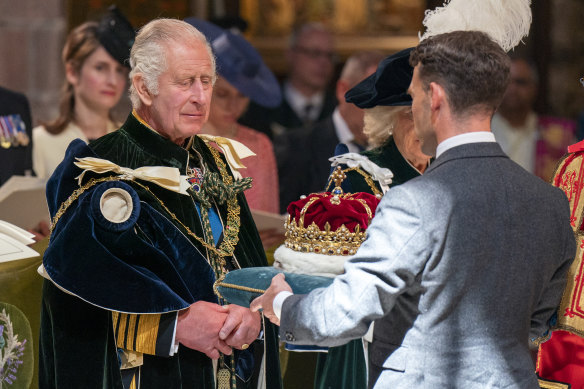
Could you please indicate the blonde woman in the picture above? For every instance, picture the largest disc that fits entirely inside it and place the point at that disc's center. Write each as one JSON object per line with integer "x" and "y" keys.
{"x": 396, "y": 155}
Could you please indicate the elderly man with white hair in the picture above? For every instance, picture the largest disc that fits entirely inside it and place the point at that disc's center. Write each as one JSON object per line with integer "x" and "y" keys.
{"x": 144, "y": 221}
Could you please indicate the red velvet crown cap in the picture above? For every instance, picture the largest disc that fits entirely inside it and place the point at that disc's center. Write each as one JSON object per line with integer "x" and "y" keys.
{"x": 350, "y": 211}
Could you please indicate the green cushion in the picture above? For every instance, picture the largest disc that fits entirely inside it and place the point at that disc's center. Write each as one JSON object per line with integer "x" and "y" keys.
{"x": 243, "y": 285}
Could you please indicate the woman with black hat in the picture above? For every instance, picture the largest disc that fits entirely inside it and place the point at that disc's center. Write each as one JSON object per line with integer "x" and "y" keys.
{"x": 396, "y": 156}
{"x": 96, "y": 72}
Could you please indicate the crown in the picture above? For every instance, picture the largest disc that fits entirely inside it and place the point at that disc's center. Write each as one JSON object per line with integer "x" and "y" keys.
{"x": 330, "y": 223}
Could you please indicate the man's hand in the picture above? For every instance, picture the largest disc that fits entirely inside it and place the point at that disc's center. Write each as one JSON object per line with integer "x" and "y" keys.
{"x": 266, "y": 301}
{"x": 198, "y": 328}
{"x": 241, "y": 327}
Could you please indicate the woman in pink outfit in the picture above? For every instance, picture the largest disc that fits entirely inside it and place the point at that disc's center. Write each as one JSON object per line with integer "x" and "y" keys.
{"x": 228, "y": 104}
{"x": 243, "y": 76}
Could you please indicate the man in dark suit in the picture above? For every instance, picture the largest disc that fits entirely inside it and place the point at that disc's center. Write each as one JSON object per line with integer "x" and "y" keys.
{"x": 303, "y": 154}
{"x": 464, "y": 266}
{"x": 15, "y": 135}
{"x": 306, "y": 94}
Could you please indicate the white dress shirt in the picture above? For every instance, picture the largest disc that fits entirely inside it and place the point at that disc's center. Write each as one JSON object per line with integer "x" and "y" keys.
{"x": 343, "y": 132}
{"x": 468, "y": 137}
{"x": 298, "y": 102}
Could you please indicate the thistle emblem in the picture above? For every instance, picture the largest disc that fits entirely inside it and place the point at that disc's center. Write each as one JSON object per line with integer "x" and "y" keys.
{"x": 11, "y": 351}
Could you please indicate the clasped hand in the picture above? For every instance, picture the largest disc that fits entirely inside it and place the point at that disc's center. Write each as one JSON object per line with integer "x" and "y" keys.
{"x": 211, "y": 328}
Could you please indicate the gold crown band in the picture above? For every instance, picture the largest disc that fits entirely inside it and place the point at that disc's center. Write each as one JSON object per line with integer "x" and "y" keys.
{"x": 313, "y": 240}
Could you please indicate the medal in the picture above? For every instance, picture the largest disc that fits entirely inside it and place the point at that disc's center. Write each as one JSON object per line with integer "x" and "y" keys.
{"x": 4, "y": 136}
{"x": 20, "y": 129}
{"x": 195, "y": 178}
{"x": 11, "y": 131}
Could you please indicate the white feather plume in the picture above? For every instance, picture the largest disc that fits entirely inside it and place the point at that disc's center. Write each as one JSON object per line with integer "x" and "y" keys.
{"x": 507, "y": 22}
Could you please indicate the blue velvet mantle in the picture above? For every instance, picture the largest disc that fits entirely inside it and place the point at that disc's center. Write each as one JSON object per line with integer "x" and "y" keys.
{"x": 147, "y": 264}
{"x": 142, "y": 265}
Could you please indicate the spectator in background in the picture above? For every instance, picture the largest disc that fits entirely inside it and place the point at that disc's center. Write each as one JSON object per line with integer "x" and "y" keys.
{"x": 303, "y": 154}
{"x": 15, "y": 135}
{"x": 535, "y": 142}
{"x": 243, "y": 77}
{"x": 306, "y": 97}
{"x": 96, "y": 70}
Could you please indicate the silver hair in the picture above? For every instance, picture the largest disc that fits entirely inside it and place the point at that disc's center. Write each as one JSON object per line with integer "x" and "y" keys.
{"x": 380, "y": 121}
{"x": 357, "y": 65}
{"x": 148, "y": 55}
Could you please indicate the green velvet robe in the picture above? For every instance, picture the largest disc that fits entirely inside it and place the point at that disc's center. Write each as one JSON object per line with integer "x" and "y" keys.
{"x": 78, "y": 348}
{"x": 344, "y": 367}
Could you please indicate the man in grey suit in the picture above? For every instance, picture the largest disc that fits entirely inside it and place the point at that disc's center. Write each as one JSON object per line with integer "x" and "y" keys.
{"x": 464, "y": 266}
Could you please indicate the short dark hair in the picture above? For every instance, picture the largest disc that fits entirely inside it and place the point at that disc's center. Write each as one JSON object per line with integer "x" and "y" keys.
{"x": 470, "y": 66}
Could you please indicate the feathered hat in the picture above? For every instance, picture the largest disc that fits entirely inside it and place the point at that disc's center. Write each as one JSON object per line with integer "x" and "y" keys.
{"x": 507, "y": 22}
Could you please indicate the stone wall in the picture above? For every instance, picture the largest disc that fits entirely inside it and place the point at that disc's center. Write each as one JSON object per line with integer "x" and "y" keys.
{"x": 566, "y": 97}
{"x": 31, "y": 39}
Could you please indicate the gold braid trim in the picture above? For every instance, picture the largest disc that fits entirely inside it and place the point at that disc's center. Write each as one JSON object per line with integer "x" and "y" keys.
{"x": 543, "y": 384}
{"x": 239, "y": 287}
{"x": 230, "y": 239}
{"x": 75, "y": 195}
{"x": 220, "y": 282}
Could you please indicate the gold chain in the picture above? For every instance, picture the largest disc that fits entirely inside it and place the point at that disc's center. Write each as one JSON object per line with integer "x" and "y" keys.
{"x": 76, "y": 193}
{"x": 230, "y": 237}
{"x": 231, "y": 232}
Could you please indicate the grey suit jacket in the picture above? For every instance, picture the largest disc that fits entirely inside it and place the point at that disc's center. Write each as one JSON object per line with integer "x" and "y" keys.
{"x": 461, "y": 268}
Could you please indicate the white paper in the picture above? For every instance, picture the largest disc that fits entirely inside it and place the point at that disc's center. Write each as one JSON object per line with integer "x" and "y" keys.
{"x": 16, "y": 232}
{"x": 11, "y": 249}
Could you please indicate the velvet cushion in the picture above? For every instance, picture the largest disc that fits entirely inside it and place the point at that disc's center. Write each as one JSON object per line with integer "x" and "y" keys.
{"x": 260, "y": 278}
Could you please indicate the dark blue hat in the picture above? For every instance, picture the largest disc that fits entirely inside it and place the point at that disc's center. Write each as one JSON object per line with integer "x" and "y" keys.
{"x": 387, "y": 86}
{"x": 116, "y": 35}
{"x": 240, "y": 64}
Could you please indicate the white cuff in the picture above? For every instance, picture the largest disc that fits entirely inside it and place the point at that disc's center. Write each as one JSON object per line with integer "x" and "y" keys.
{"x": 174, "y": 343}
{"x": 278, "y": 301}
